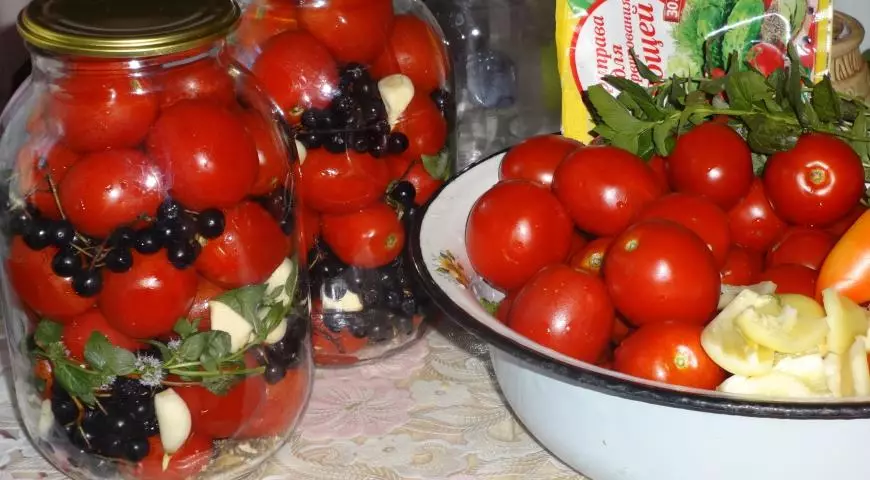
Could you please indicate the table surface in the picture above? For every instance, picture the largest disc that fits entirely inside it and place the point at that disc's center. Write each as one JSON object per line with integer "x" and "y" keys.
{"x": 432, "y": 411}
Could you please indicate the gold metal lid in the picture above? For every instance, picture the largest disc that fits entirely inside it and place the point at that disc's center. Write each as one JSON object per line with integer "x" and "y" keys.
{"x": 125, "y": 28}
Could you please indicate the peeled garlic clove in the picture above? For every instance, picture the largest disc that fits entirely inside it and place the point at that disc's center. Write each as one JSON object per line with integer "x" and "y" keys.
{"x": 846, "y": 320}
{"x": 301, "y": 151}
{"x": 396, "y": 91}
{"x": 278, "y": 280}
{"x": 225, "y": 319}
{"x": 173, "y": 420}
{"x": 277, "y": 334}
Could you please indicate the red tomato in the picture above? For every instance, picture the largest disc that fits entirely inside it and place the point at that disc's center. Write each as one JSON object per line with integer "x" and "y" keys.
{"x": 39, "y": 159}
{"x": 503, "y": 311}
{"x": 297, "y": 71}
{"x": 604, "y": 188}
{"x": 43, "y": 371}
{"x": 263, "y": 20}
{"x": 106, "y": 190}
{"x": 659, "y": 166}
{"x": 668, "y": 352}
{"x": 591, "y": 257}
{"x": 250, "y": 249}
{"x": 806, "y": 46}
{"x": 332, "y": 348}
{"x": 281, "y": 407}
{"x": 841, "y": 226}
{"x": 274, "y": 168}
{"x": 36, "y": 285}
{"x": 801, "y": 246}
{"x": 698, "y": 214}
{"x": 187, "y": 462}
{"x": 424, "y": 126}
{"x": 167, "y": 291}
{"x": 515, "y": 229}
{"x": 790, "y": 278}
{"x": 566, "y": 310}
{"x": 417, "y": 51}
{"x": 712, "y": 160}
{"x": 742, "y": 266}
{"x": 79, "y": 330}
{"x": 208, "y": 157}
{"x": 535, "y": 159}
{"x": 36, "y": 121}
{"x": 578, "y": 243}
{"x": 659, "y": 271}
{"x": 352, "y": 30}
{"x": 200, "y": 310}
{"x": 369, "y": 238}
{"x": 754, "y": 224}
{"x": 815, "y": 183}
{"x": 342, "y": 183}
{"x": 92, "y": 111}
{"x": 403, "y": 167}
{"x": 621, "y": 330}
{"x": 223, "y": 416}
{"x": 766, "y": 58}
{"x": 309, "y": 221}
{"x": 203, "y": 79}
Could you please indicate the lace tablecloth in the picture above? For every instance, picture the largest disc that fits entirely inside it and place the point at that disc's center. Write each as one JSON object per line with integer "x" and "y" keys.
{"x": 432, "y": 411}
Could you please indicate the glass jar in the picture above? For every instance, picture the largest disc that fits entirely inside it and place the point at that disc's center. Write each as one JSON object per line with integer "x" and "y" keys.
{"x": 367, "y": 87}
{"x": 155, "y": 311}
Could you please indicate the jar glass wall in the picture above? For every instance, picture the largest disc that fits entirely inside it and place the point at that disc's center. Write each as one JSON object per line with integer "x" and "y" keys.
{"x": 156, "y": 311}
{"x": 367, "y": 87}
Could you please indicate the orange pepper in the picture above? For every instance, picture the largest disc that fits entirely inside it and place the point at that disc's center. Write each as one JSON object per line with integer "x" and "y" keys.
{"x": 847, "y": 267}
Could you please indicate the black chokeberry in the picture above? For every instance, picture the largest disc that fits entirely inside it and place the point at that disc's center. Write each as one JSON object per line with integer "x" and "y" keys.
{"x": 403, "y": 193}
{"x": 211, "y": 223}
{"x": 181, "y": 254}
{"x": 137, "y": 449}
{"x": 325, "y": 120}
{"x": 122, "y": 237}
{"x": 309, "y": 118}
{"x": 382, "y": 127}
{"x": 353, "y": 72}
{"x": 119, "y": 424}
{"x": 185, "y": 227}
{"x": 110, "y": 445}
{"x": 378, "y": 146}
{"x": 169, "y": 210}
{"x": 87, "y": 283}
{"x": 287, "y": 225}
{"x": 64, "y": 410}
{"x": 20, "y": 222}
{"x": 141, "y": 411}
{"x": 130, "y": 388}
{"x": 371, "y": 112}
{"x": 358, "y": 330}
{"x": 343, "y": 105}
{"x": 393, "y": 300}
{"x": 39, "y": 235}
{"x": 404, "y": 324}
{"x": 274, "y": 373}
{"x": 336, "y": 143}
{"x": 397, "y": 143}
{"x": 82, "y": 438}
{"x": 360, "y": 143}
{"x": 310, "y": 140}
{"x": 442, "y": 99}
{"x": 365, "y": 87}
{"x": 148, "y": 241}
{"x": 66, "y": 263}
{"x": 119, "y": 260}
{"x": 380, "y": 332}
{"x": 258, "y": 354}
{"x": 62, "y": 233}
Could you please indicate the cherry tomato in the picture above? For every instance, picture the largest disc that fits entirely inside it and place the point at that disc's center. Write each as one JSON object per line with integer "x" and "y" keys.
{"x": 791, "y": 278}
{"x": 424, "y": 126}
{"x": 352, "y": 30}
{"x": 187, "y": 462}
{"x": 281, "y": 408}
{"x": 713, "y": 161}
{"x": 79, "y": 330}
{"x": 766, "y": 58}
{"x": 604, "y": 188}
{"x": 847, "y": 267}
{"x": 659, "y": 271}
{"x": 297, "y": 71}
{"x": 698, "y": 214}
{"x": 331, "y": 348}
{"x": 659, "y": 166}
{"x": 415, "y": 50}
{"x": 199, "y": 309}
{"x": 742, "y": 266}
{"x": 841, "y": 226}
{"x": 250, "y": 249}
{"x": 515, "y": 229}
{"x": 536, "y": 158}
{"x": 274, "y": 168}
{"x": 39, "y": 159}
{"x": 566, "y": 310}
{"x": 591, "y": 257}
{"x": 106, "y": 190}
{"x": 369, "y": 238}
{"x": 502, "y": 313}
{"x": 815, "y": 183}
{"x": 37, "y": 286}
{"x": 806, "y": 46}
{"x": 208, "y": 157}
{"x": 754, "y": 224}
{"x": 578, "y": 243}
{"x": 668, "y": 352}
{"x": 342, "y": 183}
{"x": 801, "y": 246}
{"x": 309, "y": 221}
{"x": 44, "y": 372}
{"x": 263, "y": 20}
{"x": 621, "y": 330}
{"x": 201, "y": 80}
{"x": 93, "y": 111}
{"x": 153, "y": 281}
{"x": 403, "y": 167}
{"x": 222, "y": 416}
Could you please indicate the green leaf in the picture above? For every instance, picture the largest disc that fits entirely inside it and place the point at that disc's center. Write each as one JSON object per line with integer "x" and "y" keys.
{"x": 639, "y": 96}
{"x": 628, "y": 142}
{"x": 76, "y": 382}
{"x": 185, "y": 328}
{"x": 193, "y": 347}
{"x": 769, "y": 135}
{"x": 216, "y": 349}
{"x": 220, "y": 385}
{"x": 794, "y": 90}
{"x": 165, "y": 352}
{"x": 713, "y": 86}
{"x": 292, "y": 281}
{"x": 490, "y": 306}
{"x": 663, "y": 136}
{"x": 106, "y": 358}
{"x": 48, "y": 332}
{"x": 795, "y": 11}
{"x": 438, "y": 166}
{"x": 645, "y": 145}
{"x": 859, "y": 130}
{"x": 273, "y": 318}
{"x": 643, "y": 69}
{"x": 746, "y": 89}
{"x": 614, "y": 113}
{"x": 758, "y": 163}
{"x": 826, "y": 101}
{"x": 246, "y": 302}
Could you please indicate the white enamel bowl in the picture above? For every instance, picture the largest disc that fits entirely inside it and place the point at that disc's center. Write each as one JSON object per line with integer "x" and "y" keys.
{"x": 613, "y": 427}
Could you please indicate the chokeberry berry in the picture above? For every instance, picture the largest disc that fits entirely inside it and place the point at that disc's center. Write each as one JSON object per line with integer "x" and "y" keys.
{"x": 169, "y": 210}
{"x": 88, "y": 283}
{"x": 310, "y": 140}
{"x": 181, "y": 254}
{"x": 403, "y": 193}
{"x": 148, "y": 241}
{"x": 274, "y": 373}
{"x": 336, "y": 143}
{"x": 397, "y": 143}
{"x": 62, "y": 233}
{"x": 309, "y": 118}
{"x": 122, "y": 237}
{"x": 211, "y": 223}
{"x": 137, "y": 449}
{"x": 360, "y": 143}
{"x": 66, "y": 263}
{"x": 119, "y": 260}
{"x": 20, "y": 222}
{"x": 39, "y": 235}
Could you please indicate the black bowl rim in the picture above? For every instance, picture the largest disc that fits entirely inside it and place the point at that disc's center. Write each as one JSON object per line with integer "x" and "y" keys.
{"x": 611, "y": 385}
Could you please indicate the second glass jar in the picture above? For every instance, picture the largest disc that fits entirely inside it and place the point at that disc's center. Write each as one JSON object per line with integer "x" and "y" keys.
{"x": 367, "y": 87}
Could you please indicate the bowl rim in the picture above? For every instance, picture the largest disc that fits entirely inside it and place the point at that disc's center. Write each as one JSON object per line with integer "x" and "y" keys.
{"x": 646, "y": 392}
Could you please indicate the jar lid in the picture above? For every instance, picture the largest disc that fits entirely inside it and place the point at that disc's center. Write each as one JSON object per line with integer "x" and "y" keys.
{"x": 125, "y": 28}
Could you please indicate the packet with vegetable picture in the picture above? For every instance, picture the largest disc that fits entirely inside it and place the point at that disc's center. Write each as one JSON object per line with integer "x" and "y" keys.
{"x": 687, "y": 38}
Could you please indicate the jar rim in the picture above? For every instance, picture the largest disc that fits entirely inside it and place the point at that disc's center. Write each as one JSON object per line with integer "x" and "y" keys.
{"x": 128, "y": 29}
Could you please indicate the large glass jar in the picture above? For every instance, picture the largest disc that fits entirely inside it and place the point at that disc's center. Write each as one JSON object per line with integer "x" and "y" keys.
{"x": 367, "y": 88}
{"x": 156, "y": 315}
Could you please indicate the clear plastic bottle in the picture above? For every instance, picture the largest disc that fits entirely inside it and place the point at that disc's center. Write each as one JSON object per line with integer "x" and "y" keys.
{"x": 156, "y": 314}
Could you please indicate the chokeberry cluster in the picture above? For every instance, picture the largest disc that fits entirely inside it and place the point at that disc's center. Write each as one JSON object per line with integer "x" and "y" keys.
{"x": 284, "y": 355}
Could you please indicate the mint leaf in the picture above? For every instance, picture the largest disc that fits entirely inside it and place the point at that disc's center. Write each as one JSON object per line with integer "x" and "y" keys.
{"x": 292, "y": 281}
{"x": 825, "y": 101}
{"x": 638, "y": 95}
{"x": 193, "y": 347}
{"x": 76, "y": 382}
{"x": 217, "y": 347}
{"x": 438, "y": 166}
{"x": 185, "y": 328}
{"x": 663, "y": 136}
{"x": 246, "y": 302}
{"x": 106, "y": 358}
{"x": 47, "y": 332}
{"x": 643, "y": 69}
{"x": 165, "y": 352}
{"x": 490, "y": 306}
{"x": 746, "y": 89}
{"x": 220, "y": 385}
{"x": 615, "y": 115}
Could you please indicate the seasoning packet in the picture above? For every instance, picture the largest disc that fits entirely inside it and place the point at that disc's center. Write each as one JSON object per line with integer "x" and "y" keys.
{"x": 688, "y": 38}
